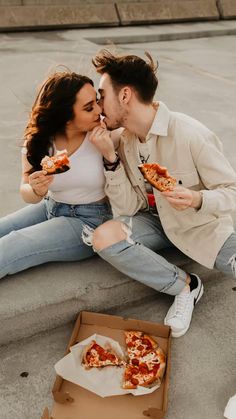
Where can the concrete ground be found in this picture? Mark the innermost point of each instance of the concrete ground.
(196, 76)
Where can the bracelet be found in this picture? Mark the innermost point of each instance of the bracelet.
(111, 165)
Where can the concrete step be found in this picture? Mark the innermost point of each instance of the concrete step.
(51, 295)
(17, 15)
(157, 33)
(206, 351)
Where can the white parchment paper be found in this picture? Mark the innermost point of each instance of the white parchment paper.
(230, 410)
(105, 381)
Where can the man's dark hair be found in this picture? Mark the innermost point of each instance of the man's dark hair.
(129, 70)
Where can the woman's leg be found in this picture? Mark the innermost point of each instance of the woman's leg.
(25, 217)
(57, 239)
(226, 258)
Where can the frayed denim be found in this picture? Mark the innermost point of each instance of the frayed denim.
(138, 256)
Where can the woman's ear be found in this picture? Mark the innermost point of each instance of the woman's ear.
(125, 95)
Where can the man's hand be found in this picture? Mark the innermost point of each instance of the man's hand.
(101, 138)
(181, 198)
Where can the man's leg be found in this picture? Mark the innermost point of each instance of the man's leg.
(226, 258)
(130, 245)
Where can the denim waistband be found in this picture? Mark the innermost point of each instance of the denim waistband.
(56, 209)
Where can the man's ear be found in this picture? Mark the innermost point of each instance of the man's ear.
(125, 95)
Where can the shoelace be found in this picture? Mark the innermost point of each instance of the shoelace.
(182, 303)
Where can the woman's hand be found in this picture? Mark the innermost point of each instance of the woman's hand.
(181, 198)
(39, 182)
(101, 138)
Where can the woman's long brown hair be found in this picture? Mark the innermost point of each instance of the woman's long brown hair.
(52, 109)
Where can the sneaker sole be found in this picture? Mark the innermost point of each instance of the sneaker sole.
(182, 332)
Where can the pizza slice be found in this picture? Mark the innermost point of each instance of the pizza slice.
(157, 176)
(137, 376)
(147, 371)
(138, 343)
(96, 356)
(59, 163)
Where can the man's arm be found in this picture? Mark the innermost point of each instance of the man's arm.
(219, 179)
(124, 198)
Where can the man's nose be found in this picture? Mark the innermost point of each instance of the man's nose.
(99, 108)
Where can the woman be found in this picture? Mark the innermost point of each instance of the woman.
(64, 112)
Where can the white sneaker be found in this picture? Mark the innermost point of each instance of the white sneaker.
(180, 313)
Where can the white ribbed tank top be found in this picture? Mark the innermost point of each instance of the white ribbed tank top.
(84, 182)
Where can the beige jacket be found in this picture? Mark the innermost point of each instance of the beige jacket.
(193, 155)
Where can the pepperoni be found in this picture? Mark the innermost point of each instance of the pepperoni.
(140, 347)
(156, 368)
(134, 338)
(134, 381)
(130, 344)
(135, 361)
(147, 342)
(143, 369)
(97, 348)
(128, 375)
(134, 370)
(111, 357)
(103, 357)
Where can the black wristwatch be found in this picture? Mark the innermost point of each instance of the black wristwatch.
(111, 165)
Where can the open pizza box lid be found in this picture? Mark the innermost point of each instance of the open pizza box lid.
(72, 401)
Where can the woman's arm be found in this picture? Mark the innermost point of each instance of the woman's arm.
(106, 141)
(33, 187)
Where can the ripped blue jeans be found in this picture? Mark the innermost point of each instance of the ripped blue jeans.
(138, 257)
(49, 231)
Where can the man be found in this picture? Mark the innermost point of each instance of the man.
(194, 216)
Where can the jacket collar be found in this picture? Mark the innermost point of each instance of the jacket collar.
(160, 122)
(159, 126)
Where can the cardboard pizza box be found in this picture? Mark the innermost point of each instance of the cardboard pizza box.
(74, 402)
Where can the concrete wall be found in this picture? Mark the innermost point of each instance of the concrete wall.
(43, 14)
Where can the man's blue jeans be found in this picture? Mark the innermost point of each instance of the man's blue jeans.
(138, 257)
(46, 232)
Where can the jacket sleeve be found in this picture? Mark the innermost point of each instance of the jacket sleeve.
(125, 198)
(219, 178)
